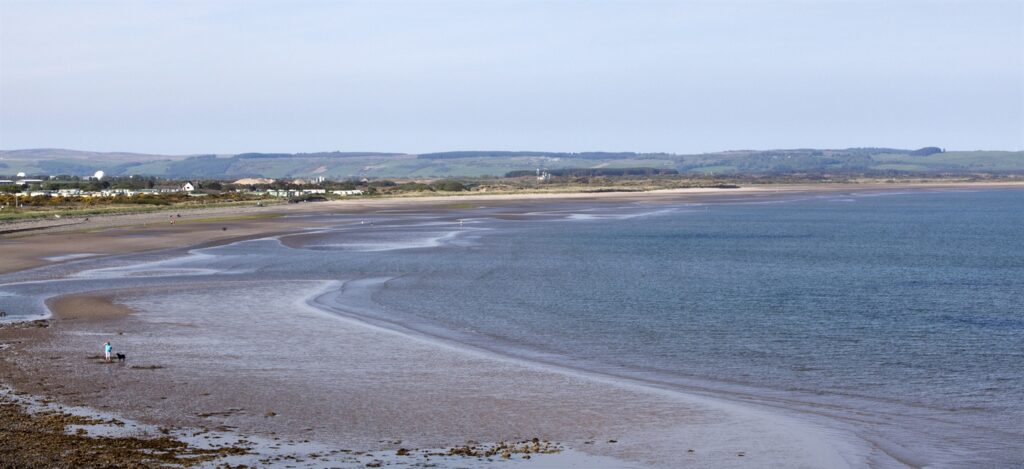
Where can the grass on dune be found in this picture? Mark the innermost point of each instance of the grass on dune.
(37, 213)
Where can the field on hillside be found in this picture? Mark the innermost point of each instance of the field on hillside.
(338, 165)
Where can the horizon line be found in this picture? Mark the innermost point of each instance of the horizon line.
(495, 150)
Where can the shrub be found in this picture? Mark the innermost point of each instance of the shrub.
(449, 186)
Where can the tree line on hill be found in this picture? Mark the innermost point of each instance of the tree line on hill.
(587, 155)
(861, 161)
(596, 172)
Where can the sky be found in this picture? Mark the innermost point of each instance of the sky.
(188, 77)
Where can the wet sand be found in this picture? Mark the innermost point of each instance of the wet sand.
(302, 374)
(87, 307)
(43, 248)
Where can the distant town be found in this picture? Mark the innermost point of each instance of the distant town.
(98, 185)
(24, 196)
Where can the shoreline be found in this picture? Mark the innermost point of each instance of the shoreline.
(210, 237)
(699, 428)
(152, 231)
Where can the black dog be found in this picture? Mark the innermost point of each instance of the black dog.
(120, 357)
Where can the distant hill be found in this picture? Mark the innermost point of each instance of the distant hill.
(63, 154)
(339, 165)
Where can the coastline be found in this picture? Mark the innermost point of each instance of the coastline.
(224, 386)
(119, 234)
(715, 420)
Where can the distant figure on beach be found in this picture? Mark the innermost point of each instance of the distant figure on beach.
(107, 348)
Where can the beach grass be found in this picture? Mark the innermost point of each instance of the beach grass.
(27, 214)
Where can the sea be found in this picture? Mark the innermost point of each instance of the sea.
(896, 315)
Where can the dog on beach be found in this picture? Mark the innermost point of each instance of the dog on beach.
(121, 357)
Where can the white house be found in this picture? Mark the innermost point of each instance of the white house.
(124, 192)
(353, 192)
(188, 187)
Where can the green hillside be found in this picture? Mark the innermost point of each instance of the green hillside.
(341, 165)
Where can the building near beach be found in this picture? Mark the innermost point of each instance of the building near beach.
(282, 193)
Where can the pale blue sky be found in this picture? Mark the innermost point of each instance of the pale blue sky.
(417, 76)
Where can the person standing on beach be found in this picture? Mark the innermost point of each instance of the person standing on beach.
(107, 348)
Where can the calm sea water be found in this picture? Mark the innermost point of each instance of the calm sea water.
(900, 316)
